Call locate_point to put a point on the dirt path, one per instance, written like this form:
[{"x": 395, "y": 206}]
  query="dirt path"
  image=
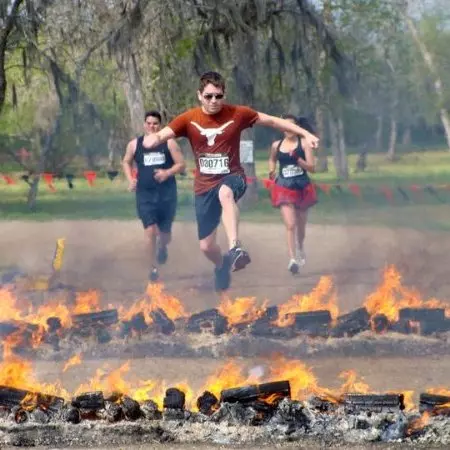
[{"x": 110, "y": 255}]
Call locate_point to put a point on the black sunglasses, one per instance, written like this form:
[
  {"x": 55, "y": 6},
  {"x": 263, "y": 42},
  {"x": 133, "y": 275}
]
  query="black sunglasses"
[{"x": 216, "y": 96}]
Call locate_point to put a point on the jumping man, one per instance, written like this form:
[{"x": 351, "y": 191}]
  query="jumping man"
[
  {"x": 214, "y": 130},
  {"x": 155, "y": 186}
]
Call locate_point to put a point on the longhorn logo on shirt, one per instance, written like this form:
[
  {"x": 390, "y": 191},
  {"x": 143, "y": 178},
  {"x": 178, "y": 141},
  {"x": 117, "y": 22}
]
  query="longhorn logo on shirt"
[{"x": 211, "y": 133}]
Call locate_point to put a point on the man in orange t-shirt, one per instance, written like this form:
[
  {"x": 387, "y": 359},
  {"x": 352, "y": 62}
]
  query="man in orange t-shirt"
[{"x": 214, "y": 130}]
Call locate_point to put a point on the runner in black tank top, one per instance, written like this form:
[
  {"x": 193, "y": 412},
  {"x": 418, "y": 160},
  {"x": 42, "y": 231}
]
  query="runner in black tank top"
[
  {"x": 156, "y": 188},
  {"x": 292, "y": 190}
]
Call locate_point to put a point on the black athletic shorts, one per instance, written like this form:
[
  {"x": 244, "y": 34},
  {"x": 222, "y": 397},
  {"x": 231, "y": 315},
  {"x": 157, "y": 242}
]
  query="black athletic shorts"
[
  {"x": 157, "y": 208},
  {"x": 208, "y": 209}
]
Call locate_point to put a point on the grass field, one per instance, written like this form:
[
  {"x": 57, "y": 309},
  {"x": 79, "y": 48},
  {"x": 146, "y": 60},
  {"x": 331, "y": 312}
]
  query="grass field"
[{"x": 420, "y": 210}]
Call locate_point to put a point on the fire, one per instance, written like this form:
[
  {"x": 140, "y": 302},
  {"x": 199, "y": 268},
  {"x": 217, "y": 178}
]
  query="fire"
[
  {"x": 230, "y": 375},
  {"x": 108, "y": 383},
  {"x": 352, "y": 383},
  {"x": 241, "y": 310},
  {"x": 322, "y": 297},
  {"x": 18, "y": 373},
  {"x": 419, "y": 423},
  {"x": 391, "y": 296},
  {"x": 87, "y": 302},
  {"x": 74, "y": 361},
  {"x": 155, "y": 299},
  {"x": 301, "y": 378}
]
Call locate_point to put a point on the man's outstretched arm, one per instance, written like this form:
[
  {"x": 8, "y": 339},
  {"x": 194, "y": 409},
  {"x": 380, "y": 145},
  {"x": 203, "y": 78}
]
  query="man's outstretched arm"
[
  {"x": 155, "y": 139},
  {"x": 286, "y": 125}
]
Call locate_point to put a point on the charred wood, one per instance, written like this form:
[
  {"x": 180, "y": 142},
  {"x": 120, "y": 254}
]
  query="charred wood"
[
  {"x": 207, "y": 403},
  {"x": 265, "y": 327},
  {"x": 438, "y": 404},
  {"x": 131, "y": 408},
  {"x": 70, "y": 414},
  {"x": 210, "y": 321},
  {"x": 174, "y": 399},
  {"x": 150, "y": 410},
  {"x": 161, "y": 323},
  {"x": 355, "y": 403},
  {"x": 313, "y": 323},
  {"x": 106, "y": 317},
  {"x": 323, "y": 405},
  {"x": 422, "y": 314},
  {"x": 276, "y": 390},
  {"x": 380, "y": 323},
  {"x": 90, "y": 401},
  {"x": 352, "y": 323},
  {"x": 111, "y": 413},
  {"x": 54, "y": 324},
  {"x": 40, "y": 416},
  {"x": 10, "y": 397},
  {"x": 19, "y": 415}
]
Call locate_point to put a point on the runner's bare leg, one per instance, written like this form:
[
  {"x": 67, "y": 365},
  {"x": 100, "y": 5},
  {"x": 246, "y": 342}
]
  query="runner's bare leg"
[
  {"x": 211, "y": 249},
  {"x": 230, "y": 214}
]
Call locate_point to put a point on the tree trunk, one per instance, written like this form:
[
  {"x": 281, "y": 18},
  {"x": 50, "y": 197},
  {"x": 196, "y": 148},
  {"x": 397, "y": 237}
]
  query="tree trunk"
[
  {"x": 338, "y": 147},
  {"x": 406, "y": 138},
  {"x": 245, "y": 77},
  {"x": 132, "y": 87},
  {"x": 322, "y": 159},
  {"x": 379, "y": 133},
  {"x": 5, "y": 31},
  {"x": 428, "y": 59},
  {"x": 392, "y": 140},
  {"x": 342, "y": 149},
  {"x": 45, "y": 149}
]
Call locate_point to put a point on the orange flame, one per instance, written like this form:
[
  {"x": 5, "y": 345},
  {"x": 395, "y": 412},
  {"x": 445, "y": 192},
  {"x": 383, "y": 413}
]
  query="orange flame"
[
  {"x": 87, "y": 302},
  {"x": 155, "y": 299},
  {"x": 322, "y": 297},
  {"x": 390, "y": 296},
  {"x": 241, "y": 310},
  {"x": 74, "y": 361}
]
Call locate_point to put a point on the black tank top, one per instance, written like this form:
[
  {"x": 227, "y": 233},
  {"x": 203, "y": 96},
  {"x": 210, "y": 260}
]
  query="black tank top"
[
  {"x": 290, "y": 174},
  {"x": 149, "y": 160}
]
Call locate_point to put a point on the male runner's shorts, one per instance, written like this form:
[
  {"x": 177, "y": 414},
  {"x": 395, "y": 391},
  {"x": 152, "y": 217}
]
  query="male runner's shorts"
[
  {"x": 208, "y": 209},
  {"x": 155, "y": 208},
  {"x": 302, "y": 198}
]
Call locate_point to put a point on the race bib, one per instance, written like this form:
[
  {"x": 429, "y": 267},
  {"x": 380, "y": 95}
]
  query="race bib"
[
  {"x": 154, "y": 159},
  {"x": 213, "y": 164},
  {"x": 291, "y": 171}
]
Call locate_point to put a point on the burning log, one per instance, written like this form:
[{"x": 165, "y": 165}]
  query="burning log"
[
  {"x": 268, "y": 392},
  {"x": 422, "y": 314},
  {"x": 380, "y": 323},
  {"x": 437, "y": 404},
  {"x": 428, "y": 320},
  {"x": 323, "y": 405},
  {"x": 352, "y": 323},
  {"x": 89, "y": 401},
  {"x": 11, "y": 397},
  {"x": 131, "y": 408},
  {"x": 208, "y": 321},
  {"x": 207, "y": 403},
  {"x": 19, "y": 415},
  {"x": 356, "y": 403},
  {"x": 150, "y": 410},
  {"x": 313, "y": 323},
  {"x": 70, "y": 414},
  {"x": 106, "y": 317},
  {"x": 161, "y": 322},
  {"x": 174, "y": 399},
  {"x": 54, "y": 324},
  {"x": 111, "y": 413}
]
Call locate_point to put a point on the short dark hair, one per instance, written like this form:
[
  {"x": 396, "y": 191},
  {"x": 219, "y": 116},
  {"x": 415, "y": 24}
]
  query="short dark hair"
[
  {"x": 301, "y": 122},
  {"x": 155, "y": 114},
  {"x": 213, "y": 78},
  {"x": 306, "y": 124}
]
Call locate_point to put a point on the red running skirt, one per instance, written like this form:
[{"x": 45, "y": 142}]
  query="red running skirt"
[{"x": 301, "y": 198}]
